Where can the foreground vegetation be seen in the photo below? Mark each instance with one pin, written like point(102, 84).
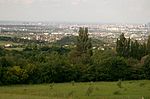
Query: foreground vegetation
point(73, 90)
point(39, 63)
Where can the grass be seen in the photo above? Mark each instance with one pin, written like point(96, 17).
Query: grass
point(100, 90)
point(6, 35)
point(2, 43)
point(17, 49)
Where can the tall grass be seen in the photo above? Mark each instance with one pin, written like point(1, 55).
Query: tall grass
point(96, 90)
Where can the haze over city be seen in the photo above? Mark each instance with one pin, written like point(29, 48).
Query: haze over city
point(100, 11)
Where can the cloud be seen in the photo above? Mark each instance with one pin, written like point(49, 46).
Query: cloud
point(17, 1)
point(28, 1)
point(74, 3)
point(51, 2)
point(77, 2)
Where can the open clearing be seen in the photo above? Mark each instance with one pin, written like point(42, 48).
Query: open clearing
point(89, 90)
point(2, 43)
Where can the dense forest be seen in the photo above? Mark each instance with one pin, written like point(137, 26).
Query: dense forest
point(130, 60)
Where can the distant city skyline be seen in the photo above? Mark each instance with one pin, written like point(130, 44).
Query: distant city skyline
point(82, 11)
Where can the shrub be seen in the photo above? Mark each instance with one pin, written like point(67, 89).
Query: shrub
point(51, 85)
point(73, 83)
point(119, 84)
point(118, 92)
point(89, 91)
point(142, 84)
point(71, 93)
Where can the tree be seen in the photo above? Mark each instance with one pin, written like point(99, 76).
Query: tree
point(146, 67)
point(128, 48)
point(114, 68)
point(142, 50)
point(83, 50)
point(134, 49)
point(4, 62)
point(84, 42)
point(137, 50)
point(1, 74)
point(123, 46)
point(2, 52)
point(15, 75)
point(148, 45)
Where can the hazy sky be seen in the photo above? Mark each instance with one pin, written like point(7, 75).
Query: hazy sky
point(106, 11)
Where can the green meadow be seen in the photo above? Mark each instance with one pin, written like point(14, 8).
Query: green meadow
point(2, 43)
point(88, 90)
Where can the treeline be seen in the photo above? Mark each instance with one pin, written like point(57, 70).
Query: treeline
point(129, 48)
point(46, 64)
point(20, 40)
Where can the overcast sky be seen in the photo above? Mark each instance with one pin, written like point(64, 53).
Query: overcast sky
point(105, 11)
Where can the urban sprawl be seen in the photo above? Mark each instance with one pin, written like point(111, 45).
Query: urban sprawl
point(52, 32)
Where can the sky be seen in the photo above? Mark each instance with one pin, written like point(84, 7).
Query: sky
point(99, 11)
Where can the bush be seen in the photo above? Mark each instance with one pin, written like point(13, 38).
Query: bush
point(51, 85)
point(73, 83)
point(119, 84)
point(89, 91)
point(71, 93)
point(118, 92)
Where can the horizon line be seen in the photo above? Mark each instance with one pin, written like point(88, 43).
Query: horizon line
point(75, 22)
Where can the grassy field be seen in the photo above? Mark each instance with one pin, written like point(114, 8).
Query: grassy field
point(17, 49)
point(2, 43)
point(89, 90)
